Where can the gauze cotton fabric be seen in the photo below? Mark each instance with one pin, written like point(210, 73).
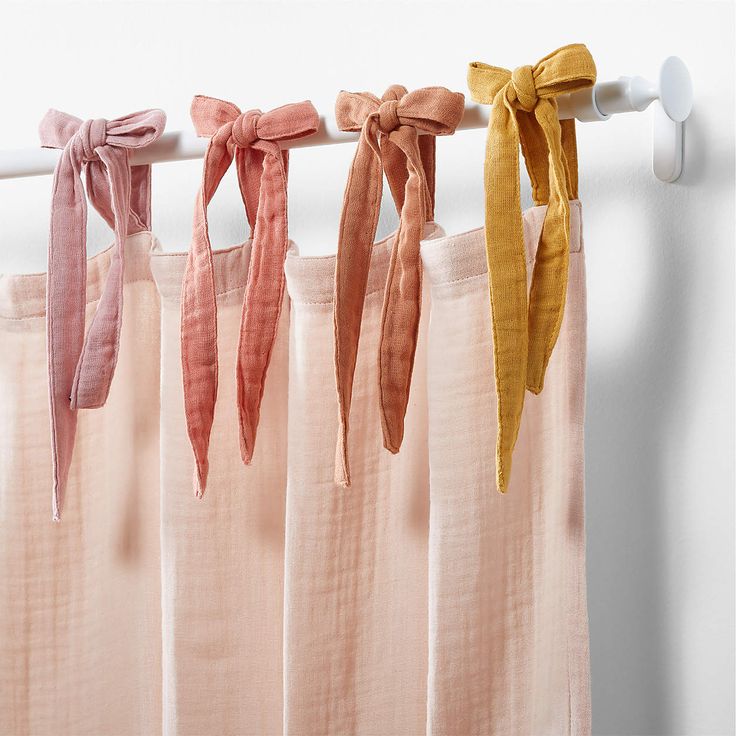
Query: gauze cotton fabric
point(222, 560)
point(417, 601)
point(355, 609)
point(112, 622)
point(80, 610)
point(508, 628)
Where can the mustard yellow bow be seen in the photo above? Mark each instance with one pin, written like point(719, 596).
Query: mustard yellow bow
point(524, 111)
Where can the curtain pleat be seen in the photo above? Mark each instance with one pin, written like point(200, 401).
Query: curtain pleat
point(222, 556)
point(80, 605)
point(507, 615)
point(355, 632)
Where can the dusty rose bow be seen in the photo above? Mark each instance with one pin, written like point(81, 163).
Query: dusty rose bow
point(253, 139)
point(389, 141)
point(81, 369)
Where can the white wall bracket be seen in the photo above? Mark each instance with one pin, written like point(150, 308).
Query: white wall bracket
point(673, 95)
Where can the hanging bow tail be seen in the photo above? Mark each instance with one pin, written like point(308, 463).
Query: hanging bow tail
point(358, 224)
point(253, 139)
point(199, 361)
point(525, 328)
point(264, 291)
point(390, 131)
point(81, 369)
point(431, 111)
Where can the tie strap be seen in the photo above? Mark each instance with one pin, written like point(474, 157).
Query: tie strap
point(389, 142)
point(252, 138)
point(81, 369)
point(524, 112)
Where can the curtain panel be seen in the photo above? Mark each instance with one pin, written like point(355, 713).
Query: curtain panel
point(417, 600)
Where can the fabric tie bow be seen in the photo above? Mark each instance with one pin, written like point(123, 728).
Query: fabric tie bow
point(253, 139)
point(524, 110)
point(390, 141)
point(81, 369)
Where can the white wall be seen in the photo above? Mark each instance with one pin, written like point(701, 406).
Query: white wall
point(660, 434)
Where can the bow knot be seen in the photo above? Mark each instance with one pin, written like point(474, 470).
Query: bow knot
point(433, 110)
point(92, 134)
point(289, 122)
point(563, 71)
point(388, 116)
point(522, 83)
point(245, 128)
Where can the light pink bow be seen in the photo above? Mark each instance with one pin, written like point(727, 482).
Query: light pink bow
point(253, 139)
point(81, 369)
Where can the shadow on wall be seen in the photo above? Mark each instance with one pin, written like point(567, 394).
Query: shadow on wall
point(633, 407)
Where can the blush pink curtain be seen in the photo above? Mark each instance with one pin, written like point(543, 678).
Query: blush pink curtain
point(417, 601)
point(508, 621)
point(80, 600)
point(355, 633)
point(222, 556)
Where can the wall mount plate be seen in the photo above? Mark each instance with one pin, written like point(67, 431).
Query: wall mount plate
point(672, 96)
point(674, 103)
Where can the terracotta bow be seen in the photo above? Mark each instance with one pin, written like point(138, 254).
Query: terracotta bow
point(389, 140)
point(524, 110)
point(81, 369)
point(253, 139)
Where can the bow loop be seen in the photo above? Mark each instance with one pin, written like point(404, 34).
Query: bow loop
point(56, 128)
point(352, 109)
point(289, 122)
point(566, 70)
point(137, 130)
point(433, 110)
point(209, 114)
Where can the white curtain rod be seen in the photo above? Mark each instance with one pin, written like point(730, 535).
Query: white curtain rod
point(627, 94)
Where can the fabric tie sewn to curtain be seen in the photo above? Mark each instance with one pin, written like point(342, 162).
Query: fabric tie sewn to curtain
point(390, 141)
point(525, 331)
point(81, 369)
point(275, 599)
point(253, 139)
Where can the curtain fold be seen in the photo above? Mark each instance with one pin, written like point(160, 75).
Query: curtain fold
point(80, 604)
point(507, 615)
point(222, 555)
point(355, 631)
